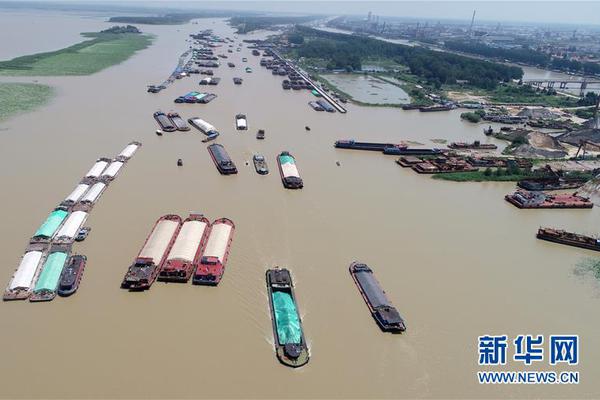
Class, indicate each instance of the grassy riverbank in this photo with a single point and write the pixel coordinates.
(17, 98)
(480, 176)
(101, 51)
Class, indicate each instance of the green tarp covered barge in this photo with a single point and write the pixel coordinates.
(47, 283)
(50, 226)
(290, 344)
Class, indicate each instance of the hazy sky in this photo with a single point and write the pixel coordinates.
(571, 12)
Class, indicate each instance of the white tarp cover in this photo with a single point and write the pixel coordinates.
(159, 240)
(92, 195)
(289, 170)
(113, 169)
(97, 169)
(217, 241)
(26, 272)
(203, 125)
(72, 225)
(128, 151)
(77, 193)
(242, 123)
(187, 241)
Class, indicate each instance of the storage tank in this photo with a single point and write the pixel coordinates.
(188, 240)
(158, 242)
(112, 170)
(71, 226)
(97, 169)
(95, 191)
(218, 240)
(77, 193)
(25, 273)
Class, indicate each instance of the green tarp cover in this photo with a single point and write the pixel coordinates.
(286, 159)
(51, 224)
(50, 274)
(286, 318)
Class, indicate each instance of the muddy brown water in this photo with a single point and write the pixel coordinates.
(456, 259)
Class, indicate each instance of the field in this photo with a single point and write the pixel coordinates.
(22, 97)
(85, 58)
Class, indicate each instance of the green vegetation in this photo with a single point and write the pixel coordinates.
(22, 97)
(474, 116)
(526, 94)
(341, 51)
(122, 29)
(488, 175)
(85, 58)
(585, 113)
(252, 23)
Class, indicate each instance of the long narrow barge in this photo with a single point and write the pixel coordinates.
(98, 168)
(550, 184)
(290, 177)
(290, 345)
(71, 275)
(525, 199)
(47, 283)
(186, 251)
(164, 122)
(382, 310)
(569, 238)
(68, 231)
(211, 266)
(25, 276)
(178, 122)
(128, 151)
(50, 226)
(142, 273)
(206, 128)
(386, 148)
(476, 145)
(221, 159)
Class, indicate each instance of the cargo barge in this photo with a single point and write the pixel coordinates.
(382, 310)
(178, 122)
(186, 251)
(476, 145)
(47, 282)
(241, 124)
(204, 127)
(386, 148)
(569, 238)
(525, 199)
(71, 275)
(98, 168)
(25, 276)
(290, 345)
(74, 197)
(290, 177)
(111, 171)
(260, 164)
(221, 159)
(142, 273)
(164, 122)
(50, 226)
(211, 266)
(436, 108)
(128, 151)
(550, 184)
(70, 228)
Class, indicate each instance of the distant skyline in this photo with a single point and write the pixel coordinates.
(567, 12)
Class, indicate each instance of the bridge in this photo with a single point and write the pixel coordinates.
(563, 83)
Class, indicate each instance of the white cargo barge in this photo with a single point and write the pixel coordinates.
(25, 276)
(128, 151)
(112, 171)
(69, 230)
(98, 168)
(209, 130)
(93, 193)
(76, 195)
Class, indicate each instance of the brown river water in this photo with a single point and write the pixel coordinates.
(456, 259)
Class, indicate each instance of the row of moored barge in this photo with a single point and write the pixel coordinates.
(386, 148)
(47, 266)
(175, 251)
(170, 122)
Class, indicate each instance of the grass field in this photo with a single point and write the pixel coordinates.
(22, 97)
(479, 176)
(85, 58)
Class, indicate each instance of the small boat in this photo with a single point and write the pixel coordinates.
(164, 122)
(83, 234)
(221, 159)
(260, 134)
(307, 128)
(179, 162)
(244, 59)
(237, 81)
(290, 345)
(71, 275)
(211, 266)
(260, 164)
(159, 132)
(241, 123)
(231, 65)
(384, 313)
(248, 70)
(178, 122)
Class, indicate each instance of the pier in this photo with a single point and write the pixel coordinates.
(563, 84)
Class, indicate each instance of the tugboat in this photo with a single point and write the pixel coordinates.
(307, 128)
(260, 164)
(290, 345)
(83, 234)
(260, 135)
(569, 238)
(71, 275)
(384, 313)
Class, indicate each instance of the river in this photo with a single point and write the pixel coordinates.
(456, 259)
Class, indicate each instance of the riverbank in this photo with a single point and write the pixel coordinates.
(16, 98)
(101, 51)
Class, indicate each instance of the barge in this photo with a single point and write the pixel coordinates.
(290, 177)
(211, 266)
(382, 310)
(178, 122)
(204, 127)
(237, 81)
(47, 283)
(315, 106)
(260, 135)
(70, 228)
(164, 122)
(98, 168)
(260, 164)
(75, 195)
(550, 184)
(290, 345)
(569, 238)
(142, 273)
(386, 148)
(221, 159)
(476, 145)
(24, 277)
(186, 251)
(241, 124)
(436, 108)
(128, 151)
(525, 199)
(92, 195)
(50, 226)
(71, 275)
(111, 172)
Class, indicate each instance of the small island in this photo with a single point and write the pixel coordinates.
(122, 29)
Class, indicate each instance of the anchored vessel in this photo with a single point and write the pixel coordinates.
(69, 230)
(289, 172)
(260, 135)
(71, 275)
(178, 122)
(221, 159)
(48, 229)
(550, 184)
(164, 122)
(204, 127)
(290, 345)
(476, 145)
(569, 238)
(211, 267)
(22, 282)
(525, 199)
(386, 148)
(187, 248)
(75, 195)
(98, 168)
(47, 283)
(240, 122)
(142, 273)
(384, 313)
(112, 171)
(260, 164)
(128, 151)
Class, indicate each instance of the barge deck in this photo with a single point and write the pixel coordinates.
(568, 238)
(211, 266)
